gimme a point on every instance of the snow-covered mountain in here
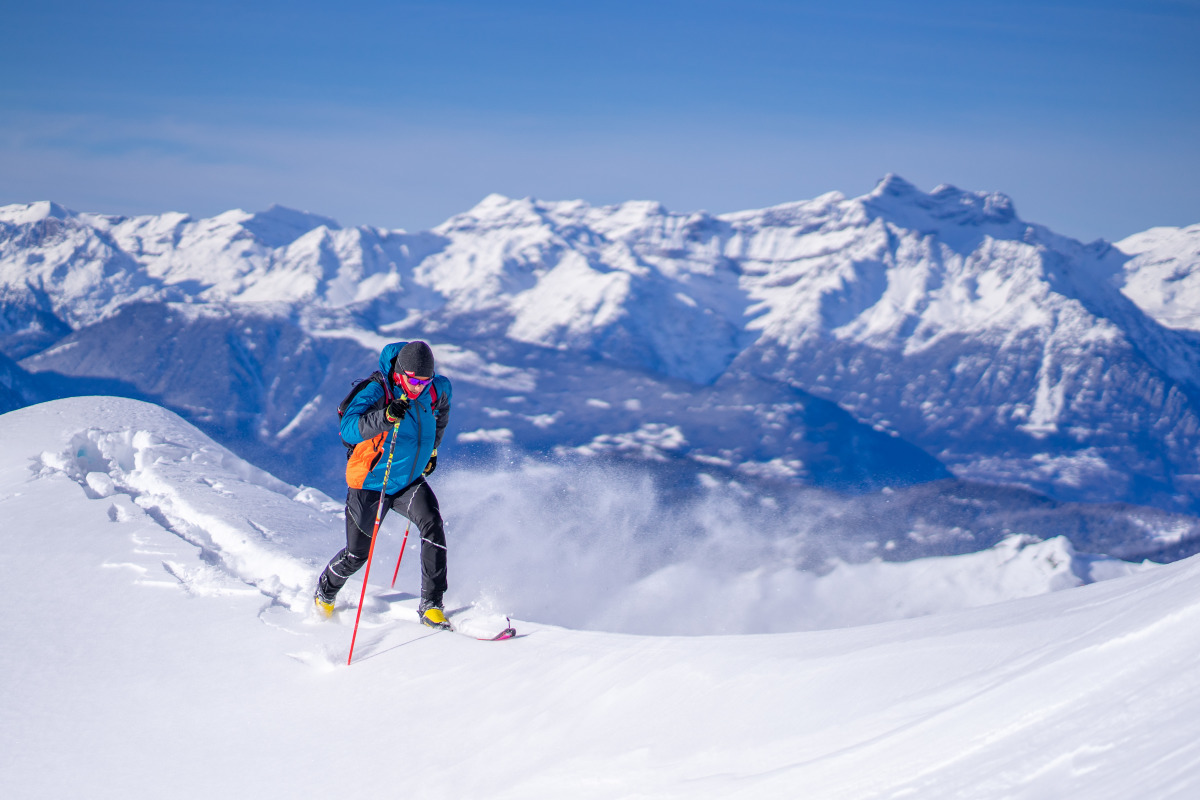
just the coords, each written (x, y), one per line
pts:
(1006, 351)
(163, 648)
(1163, 274)
(823, 343)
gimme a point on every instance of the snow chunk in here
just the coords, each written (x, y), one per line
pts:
(100, 483)
(486, 436)
(652, 441)
(775, 468)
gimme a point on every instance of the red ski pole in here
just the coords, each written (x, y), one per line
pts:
(374, 535)
(398, 560)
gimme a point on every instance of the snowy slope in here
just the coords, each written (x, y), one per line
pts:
(1163, 275)
(165, 651)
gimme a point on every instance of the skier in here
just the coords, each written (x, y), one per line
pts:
(412, 406)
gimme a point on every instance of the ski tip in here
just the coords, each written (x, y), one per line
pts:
(507, 633)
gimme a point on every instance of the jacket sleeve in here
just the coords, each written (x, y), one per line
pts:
(364, 418)
(441, 409)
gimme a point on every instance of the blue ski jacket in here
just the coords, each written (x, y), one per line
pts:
(365, 426)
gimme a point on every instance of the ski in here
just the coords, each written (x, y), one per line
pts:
(472, 620)
(508, 633)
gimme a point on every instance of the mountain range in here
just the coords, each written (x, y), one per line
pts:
(871, 347)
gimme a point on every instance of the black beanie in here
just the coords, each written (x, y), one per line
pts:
(417, 358)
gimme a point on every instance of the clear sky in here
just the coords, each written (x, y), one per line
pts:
(399, 114)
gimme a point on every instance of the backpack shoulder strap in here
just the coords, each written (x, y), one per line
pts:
(377, 376)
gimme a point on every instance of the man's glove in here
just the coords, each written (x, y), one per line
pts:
(432, 465)
(395, 410)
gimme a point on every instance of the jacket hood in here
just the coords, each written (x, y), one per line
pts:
(387, 356)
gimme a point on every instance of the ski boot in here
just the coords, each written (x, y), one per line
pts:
(324, 607)
(432, 616)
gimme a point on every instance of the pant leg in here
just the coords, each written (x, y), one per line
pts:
(420, 504)
(361, 505)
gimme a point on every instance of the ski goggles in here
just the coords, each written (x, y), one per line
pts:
(412, 378)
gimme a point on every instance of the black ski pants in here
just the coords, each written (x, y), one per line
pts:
(418, 503)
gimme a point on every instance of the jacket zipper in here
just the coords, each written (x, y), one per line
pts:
(412, 476)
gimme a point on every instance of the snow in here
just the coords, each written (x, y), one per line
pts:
(304, 415)
(158, 644)
(652, 442)
(29, 213)
(1163, 274)
(487, 435)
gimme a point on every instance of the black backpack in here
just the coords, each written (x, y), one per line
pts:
(374, 377)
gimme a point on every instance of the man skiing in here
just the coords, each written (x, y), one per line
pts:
(404, 412)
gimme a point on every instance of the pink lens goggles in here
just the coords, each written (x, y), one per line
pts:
(412, 379)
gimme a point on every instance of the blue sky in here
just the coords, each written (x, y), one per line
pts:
(399, 114)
